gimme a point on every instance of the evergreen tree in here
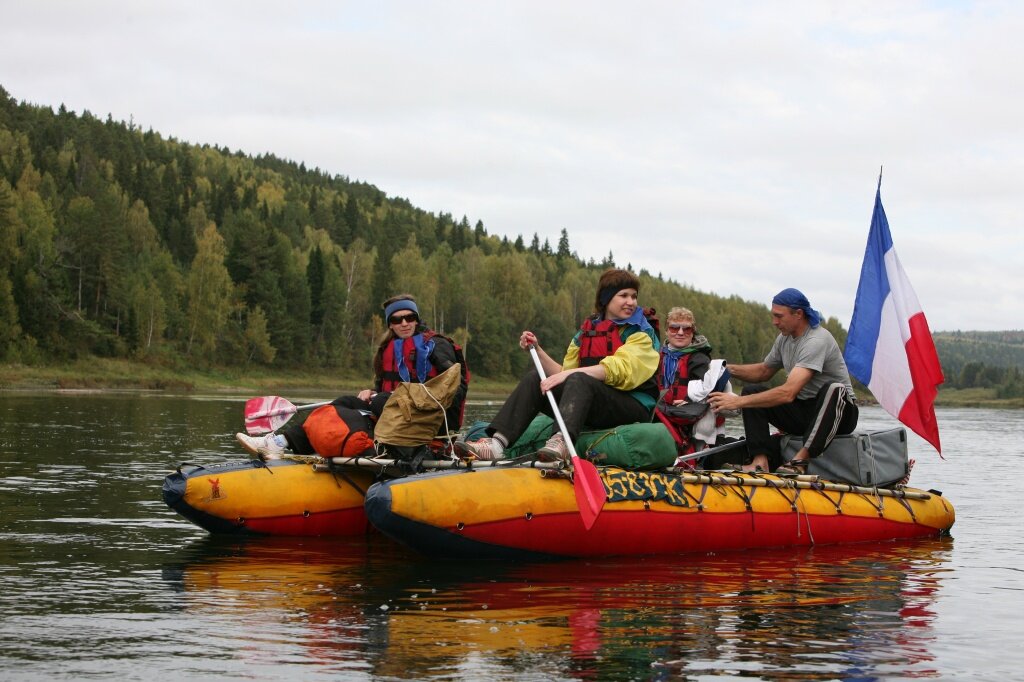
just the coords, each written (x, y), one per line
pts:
(122, 242)
(331, 350)
(354, 219)
(342, 232)
(563, 245)
(315, 279)
(10, 330)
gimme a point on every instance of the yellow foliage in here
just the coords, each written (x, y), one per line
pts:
(272, 194)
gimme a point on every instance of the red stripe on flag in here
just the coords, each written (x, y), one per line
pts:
(918, 411)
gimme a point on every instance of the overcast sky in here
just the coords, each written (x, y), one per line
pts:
(734, 147)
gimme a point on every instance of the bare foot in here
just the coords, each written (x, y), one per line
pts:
(758, 464)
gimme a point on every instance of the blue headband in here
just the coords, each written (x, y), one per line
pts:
(794, 298)
(401, 304)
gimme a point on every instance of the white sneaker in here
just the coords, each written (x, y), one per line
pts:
(269, 446)
(554, 450)
(484, 449)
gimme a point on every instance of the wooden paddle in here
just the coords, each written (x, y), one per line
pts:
(586, 481)
(269, 413)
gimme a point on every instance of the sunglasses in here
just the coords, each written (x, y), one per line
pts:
(680, 328)
(399, 319)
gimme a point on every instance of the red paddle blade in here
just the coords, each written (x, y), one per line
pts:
(266, 414)
(589, 488)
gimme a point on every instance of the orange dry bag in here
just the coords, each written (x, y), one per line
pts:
(336, 431)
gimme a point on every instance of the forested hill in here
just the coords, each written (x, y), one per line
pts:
(120, 242)
(983, 360)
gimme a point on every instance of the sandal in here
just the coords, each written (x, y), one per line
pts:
(742, 468)
(794, 467)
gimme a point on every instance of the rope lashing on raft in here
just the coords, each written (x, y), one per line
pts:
(324, 464)
(796, 482)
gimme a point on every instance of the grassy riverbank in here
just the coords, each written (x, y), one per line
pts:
(106, 374)
(116, 374)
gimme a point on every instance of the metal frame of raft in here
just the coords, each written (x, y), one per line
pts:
(805, 481)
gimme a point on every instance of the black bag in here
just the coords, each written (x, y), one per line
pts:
(687, 412)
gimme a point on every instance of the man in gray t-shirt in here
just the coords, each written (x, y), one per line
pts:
(816, 401)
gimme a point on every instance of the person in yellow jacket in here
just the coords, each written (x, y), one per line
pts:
(605, 379)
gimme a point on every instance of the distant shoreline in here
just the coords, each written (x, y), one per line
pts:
(104, 374)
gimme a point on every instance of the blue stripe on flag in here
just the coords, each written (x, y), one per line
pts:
(872, 291)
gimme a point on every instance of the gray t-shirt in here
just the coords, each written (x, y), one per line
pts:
(816, 350)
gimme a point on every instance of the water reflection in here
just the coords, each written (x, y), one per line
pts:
(821, 613)
(99, 579)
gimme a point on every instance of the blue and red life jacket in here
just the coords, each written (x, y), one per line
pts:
(676, 389)
(415, 363)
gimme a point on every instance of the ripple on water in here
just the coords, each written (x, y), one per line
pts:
(98, 578)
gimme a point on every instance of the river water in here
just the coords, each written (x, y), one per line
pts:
(99, 580)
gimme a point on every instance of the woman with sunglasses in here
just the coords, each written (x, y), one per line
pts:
(685, 356)
(606, 378)
(409, 352)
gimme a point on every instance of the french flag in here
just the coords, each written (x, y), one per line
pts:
(889, 347)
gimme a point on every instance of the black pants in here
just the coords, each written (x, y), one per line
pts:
(820, 419)
(582, 400)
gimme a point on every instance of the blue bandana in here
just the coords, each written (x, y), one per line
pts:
(423, 351)
(638, 318)
(794, 298)
(669, 363)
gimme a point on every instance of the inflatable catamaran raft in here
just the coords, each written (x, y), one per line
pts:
(529, 510)
(517, 514)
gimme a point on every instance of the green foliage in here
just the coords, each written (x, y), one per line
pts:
(208, 296)
(257, 340)
(124, 243)
(985, 360)
(996, 349)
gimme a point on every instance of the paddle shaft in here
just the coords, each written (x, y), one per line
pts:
(554, 405)
(286, 409)
(712, 451)
(586, 481)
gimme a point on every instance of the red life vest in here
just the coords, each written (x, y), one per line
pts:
(390, 378)
(677, 389)
(680, 427)
(600, 339)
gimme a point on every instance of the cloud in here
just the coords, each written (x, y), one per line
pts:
(734, 146)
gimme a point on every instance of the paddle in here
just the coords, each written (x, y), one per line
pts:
(586, 481)
(269, 413)
(725, 447)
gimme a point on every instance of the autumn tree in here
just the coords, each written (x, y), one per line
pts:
(209, 292)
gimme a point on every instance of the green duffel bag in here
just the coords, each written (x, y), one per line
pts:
(630, 446)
